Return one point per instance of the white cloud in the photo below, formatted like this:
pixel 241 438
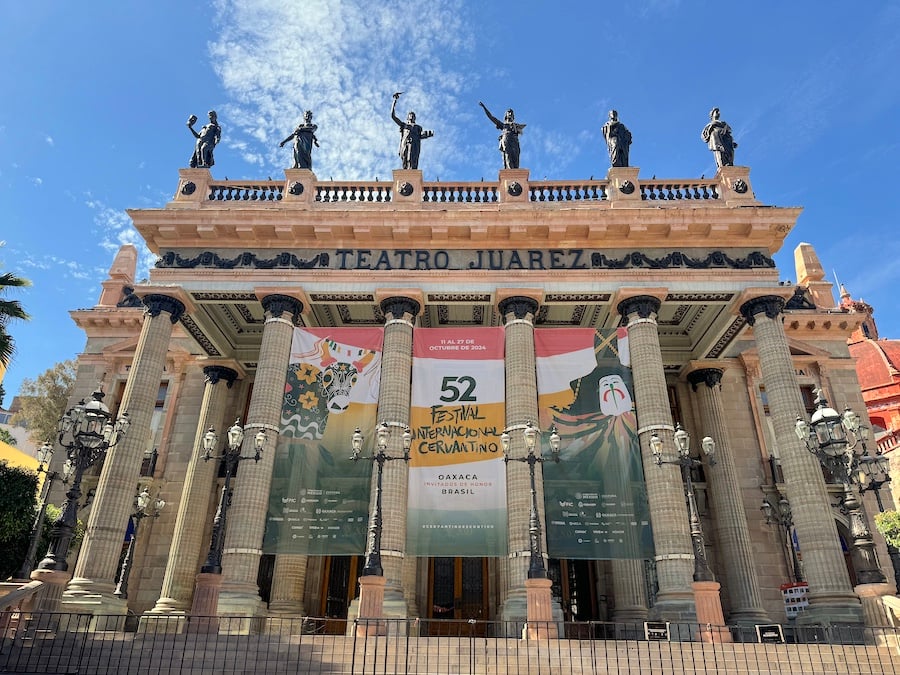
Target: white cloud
pixel 115 229
pixel 36 181
pixel 342 59
pixel 49 140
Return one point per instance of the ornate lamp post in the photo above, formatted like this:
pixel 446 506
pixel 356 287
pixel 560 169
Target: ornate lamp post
pixel 382 437
pixel 87 433
pixel 833 439
pixel 142 509
pixel 231 457
pixel 874 473
pixel 781 515
pixel 536 567
pixel 686 462
pixel 44 455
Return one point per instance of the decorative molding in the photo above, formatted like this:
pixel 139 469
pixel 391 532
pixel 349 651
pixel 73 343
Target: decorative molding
pixel 285 259
pixel 224 297
pixel 642 305
pixel 459 297
pixel 156 303
pixel 520 306
pixel 699 297
pixel 755 259
pixel 576 297
pixel 342 297
pixel 711 377
pixel 726 338
pixel 194 331
pixel 399 306
pixel 215 373
pixel 276 305
pixel 771 305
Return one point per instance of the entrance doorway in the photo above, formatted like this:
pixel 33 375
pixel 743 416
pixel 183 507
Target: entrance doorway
pixel 457 593
pixel 339 587
pixel 575 586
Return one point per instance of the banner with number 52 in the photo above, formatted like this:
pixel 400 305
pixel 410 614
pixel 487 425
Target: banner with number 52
pixel 457 478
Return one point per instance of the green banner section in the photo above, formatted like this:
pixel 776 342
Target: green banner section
pixel 319 498
pixel 595 498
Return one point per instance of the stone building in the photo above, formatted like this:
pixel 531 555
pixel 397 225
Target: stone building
pixel 716 343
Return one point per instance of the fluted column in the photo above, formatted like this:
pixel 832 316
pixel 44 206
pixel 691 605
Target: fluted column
pixel 393 407
pixel 521 407
pixel 95 574
pixel 665 490
pixel 187 539
pixel 247 515
pixel 831 598
pixel 728 505
pixel 629 591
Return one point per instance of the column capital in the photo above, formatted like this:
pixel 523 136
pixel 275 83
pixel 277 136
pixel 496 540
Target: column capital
pixel 215 373
pixel 518 305
pixel 277 304
pixel 399 306
pixel 642 305
pixel 771 305
pixel 156 303
pixel 711 377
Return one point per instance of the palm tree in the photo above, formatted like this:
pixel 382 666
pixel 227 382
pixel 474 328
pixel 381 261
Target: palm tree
pixel 9 309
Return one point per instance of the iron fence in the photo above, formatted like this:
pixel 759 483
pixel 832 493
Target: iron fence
pixel 90 644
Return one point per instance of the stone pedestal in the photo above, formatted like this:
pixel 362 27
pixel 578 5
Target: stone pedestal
pixel 54 584
pixel 871 596
pixel 205 605
pixel 407 186
pixel 709 612
pixel 300 186
pixel 371 606
pixel 541 625
pixel 514 185
pixel 624 187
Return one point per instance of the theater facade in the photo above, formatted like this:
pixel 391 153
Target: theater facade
pixel 448 321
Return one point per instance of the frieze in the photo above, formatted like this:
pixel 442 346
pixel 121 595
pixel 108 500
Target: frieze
pixel 576 297
pixel 342 297
pixel 443 313
pixel 194 330
pixel 384 260
pixel 223 297
pixel 726 338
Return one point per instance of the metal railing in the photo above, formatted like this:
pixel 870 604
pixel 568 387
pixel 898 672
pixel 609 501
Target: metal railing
pixel 90 644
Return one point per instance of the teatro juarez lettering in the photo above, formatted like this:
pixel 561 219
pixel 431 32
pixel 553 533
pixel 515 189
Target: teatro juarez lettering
pixel 481 259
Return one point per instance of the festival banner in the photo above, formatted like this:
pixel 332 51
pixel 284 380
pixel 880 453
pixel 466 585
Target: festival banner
pixel 457 477
pixel 319 500
pixel 595 500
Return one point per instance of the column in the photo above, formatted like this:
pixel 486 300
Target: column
pixel 629 591
pixel 95 574
pixel 247 515
pixel 393 407
pixel 831 598
pixel 665 490
pixel 187 539
pixel 521 407
pixel 728 505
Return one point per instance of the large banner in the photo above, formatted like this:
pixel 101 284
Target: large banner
pixel 457 478
pixel 595 497
pixel 319 501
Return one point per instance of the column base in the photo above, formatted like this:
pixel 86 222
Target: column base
pixel 675 608
pixel 828 613
pixel 86 596
pixel 167 606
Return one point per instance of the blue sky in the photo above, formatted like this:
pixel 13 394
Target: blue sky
pixel 96 95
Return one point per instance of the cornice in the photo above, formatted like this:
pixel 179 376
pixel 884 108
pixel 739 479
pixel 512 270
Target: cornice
pixel 467 226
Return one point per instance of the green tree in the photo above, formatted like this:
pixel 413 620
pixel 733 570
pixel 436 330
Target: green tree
pixel 6 437
pixel 43 401
pixel 18 505
pixel 888 523
pixel 9 310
